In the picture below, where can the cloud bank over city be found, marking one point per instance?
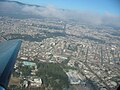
(51, 11)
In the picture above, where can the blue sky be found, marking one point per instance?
(99, 6)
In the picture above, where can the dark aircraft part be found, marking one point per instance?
(1, 88)
(8, 55)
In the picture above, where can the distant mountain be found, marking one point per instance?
(14, 9)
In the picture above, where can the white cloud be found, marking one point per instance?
(48, 11)
(51, 11)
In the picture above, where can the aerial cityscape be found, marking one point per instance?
(59, 54)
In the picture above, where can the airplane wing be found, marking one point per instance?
(8, 54)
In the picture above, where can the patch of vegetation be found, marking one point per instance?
(26, 71)
(94, 39)
(72, 47)
(53, 76)
(67, 68)
(36, 37)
